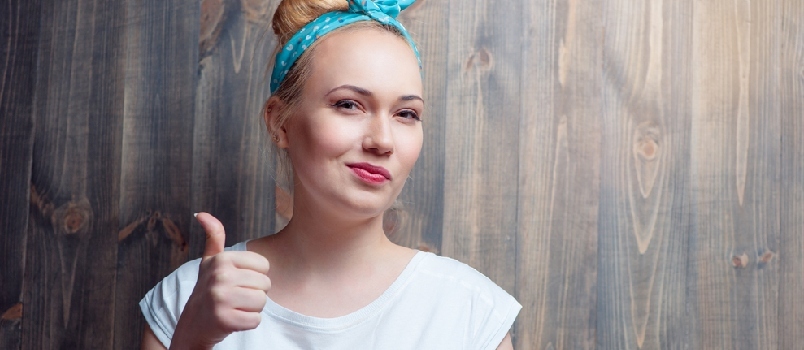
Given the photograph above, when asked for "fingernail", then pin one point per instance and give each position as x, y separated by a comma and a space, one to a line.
195, 215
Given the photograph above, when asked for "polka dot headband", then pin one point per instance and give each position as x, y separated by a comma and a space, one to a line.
383, 11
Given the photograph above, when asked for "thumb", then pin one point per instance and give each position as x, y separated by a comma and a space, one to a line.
216, 237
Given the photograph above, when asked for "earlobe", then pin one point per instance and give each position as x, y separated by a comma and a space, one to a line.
271, 115
281, 138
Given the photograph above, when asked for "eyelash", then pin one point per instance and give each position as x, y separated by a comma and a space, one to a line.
343, 103
351, 105
413, 114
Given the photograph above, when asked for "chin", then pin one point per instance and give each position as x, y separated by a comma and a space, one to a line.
367, 206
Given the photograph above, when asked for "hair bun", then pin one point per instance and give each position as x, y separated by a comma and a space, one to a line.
292, 15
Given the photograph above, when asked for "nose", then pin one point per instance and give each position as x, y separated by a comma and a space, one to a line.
379, 138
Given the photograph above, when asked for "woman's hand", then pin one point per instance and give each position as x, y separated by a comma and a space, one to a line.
229, 296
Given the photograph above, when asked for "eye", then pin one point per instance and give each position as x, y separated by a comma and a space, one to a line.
346, 104
409, 114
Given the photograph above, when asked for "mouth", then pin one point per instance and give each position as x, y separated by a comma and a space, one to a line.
370, 173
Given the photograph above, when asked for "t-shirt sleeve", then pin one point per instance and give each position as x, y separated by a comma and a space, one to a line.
496, 321
491, 310
163, 304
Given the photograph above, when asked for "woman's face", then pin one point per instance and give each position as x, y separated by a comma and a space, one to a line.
356, 134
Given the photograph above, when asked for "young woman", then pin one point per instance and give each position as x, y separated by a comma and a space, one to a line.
346, 110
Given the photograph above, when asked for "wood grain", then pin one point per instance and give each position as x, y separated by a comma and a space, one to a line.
18, 50
632, 171
791, 241
160, 76
559, 171
232, 168
481, 166
735, 128
643, 222
71, 246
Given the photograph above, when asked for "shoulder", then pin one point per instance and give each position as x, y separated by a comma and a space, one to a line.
468, 297
458, 275
163, 304
450, 278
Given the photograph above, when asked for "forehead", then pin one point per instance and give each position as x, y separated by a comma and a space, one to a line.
371, 58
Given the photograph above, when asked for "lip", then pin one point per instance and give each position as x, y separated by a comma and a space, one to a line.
370, 172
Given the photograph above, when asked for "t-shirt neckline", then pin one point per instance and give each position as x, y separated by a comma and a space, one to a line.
341, 323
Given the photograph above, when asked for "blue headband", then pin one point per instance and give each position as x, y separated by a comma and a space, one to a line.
383, 11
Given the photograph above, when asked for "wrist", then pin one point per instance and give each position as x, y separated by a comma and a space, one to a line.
187, 338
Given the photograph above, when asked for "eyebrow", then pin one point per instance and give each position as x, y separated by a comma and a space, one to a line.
365, 92
356, 89
410, 98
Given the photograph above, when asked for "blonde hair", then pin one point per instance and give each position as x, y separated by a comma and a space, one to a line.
292, 15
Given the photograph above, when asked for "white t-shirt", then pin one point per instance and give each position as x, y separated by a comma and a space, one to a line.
435, 303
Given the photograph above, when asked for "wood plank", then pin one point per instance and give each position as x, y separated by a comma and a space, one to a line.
232, 169
791, 107
644, 236
559, 172
18, 50
481, 166
155, 214
71, 246
735, 170
419, 220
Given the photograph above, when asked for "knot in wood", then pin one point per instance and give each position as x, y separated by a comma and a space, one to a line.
153, 220
646, 141
481, 59
73, 217
646, 153
739, 261
74, 220
212, 17
764, 259
41, 203
13, 313
646, 148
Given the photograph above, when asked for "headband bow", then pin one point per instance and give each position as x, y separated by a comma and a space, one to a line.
379, 10
383, 11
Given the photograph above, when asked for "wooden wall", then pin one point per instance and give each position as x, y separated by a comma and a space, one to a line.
631, 170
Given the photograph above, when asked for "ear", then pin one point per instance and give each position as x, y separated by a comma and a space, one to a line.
276, 129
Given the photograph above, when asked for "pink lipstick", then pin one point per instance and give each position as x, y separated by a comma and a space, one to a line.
370, 173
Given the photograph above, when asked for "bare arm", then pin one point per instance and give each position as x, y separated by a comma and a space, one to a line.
149, 341
506, 344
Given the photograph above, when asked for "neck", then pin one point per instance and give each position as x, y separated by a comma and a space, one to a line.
322, 241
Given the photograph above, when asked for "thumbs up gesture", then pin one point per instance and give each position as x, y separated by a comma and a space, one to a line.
229, 295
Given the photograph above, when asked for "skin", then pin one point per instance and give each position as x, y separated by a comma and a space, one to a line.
333, 257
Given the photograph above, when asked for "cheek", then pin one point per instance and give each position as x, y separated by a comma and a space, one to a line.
409, 146
328, 137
